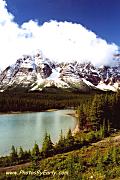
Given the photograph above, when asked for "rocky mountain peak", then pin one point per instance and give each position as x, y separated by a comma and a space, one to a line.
36, 71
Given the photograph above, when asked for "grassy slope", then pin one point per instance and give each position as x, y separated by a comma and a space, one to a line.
78, 164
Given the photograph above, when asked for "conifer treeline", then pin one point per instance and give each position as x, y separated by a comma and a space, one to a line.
64, 144
104, 110
40, 101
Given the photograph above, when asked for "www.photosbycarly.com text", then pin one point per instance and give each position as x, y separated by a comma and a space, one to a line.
37, 173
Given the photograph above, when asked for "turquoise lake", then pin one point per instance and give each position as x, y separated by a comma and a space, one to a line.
27, 128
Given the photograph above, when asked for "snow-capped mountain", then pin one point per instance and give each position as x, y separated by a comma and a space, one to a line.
37, 72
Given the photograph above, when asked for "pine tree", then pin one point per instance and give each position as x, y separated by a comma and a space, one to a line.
103, 130
47, 146
97, 112
81, 117
21, 154
116, 110
69, 140
35, 151
13, 154
27, 155
60, 146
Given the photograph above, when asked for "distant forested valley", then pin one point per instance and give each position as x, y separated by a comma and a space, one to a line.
93, 109
50, 98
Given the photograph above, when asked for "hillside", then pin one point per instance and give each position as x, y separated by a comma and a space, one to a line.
98, 161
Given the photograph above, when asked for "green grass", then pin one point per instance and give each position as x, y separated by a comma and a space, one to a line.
97, 161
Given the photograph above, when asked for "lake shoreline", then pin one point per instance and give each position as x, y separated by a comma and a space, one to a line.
23, 112
23, 123
76, 129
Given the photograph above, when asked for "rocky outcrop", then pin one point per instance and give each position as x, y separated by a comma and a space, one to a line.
37, 72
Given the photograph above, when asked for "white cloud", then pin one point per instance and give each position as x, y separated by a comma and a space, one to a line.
60, 41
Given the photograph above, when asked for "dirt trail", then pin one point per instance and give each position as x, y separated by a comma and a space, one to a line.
117, 138
14, 168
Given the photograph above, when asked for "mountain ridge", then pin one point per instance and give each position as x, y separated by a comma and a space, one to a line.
36, 72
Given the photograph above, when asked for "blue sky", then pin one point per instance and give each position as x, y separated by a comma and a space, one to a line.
100, 16
64, 30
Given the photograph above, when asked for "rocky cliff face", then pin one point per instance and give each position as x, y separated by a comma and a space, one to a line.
36, 72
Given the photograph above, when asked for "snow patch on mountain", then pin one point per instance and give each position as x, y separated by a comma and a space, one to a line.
106, 87
37, 72
54, 75
88, 83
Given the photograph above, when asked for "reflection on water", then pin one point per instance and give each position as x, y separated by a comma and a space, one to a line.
27, 128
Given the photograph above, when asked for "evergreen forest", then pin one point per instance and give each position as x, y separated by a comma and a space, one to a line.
90, 153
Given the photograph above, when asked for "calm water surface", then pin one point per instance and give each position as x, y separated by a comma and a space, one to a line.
27, 128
